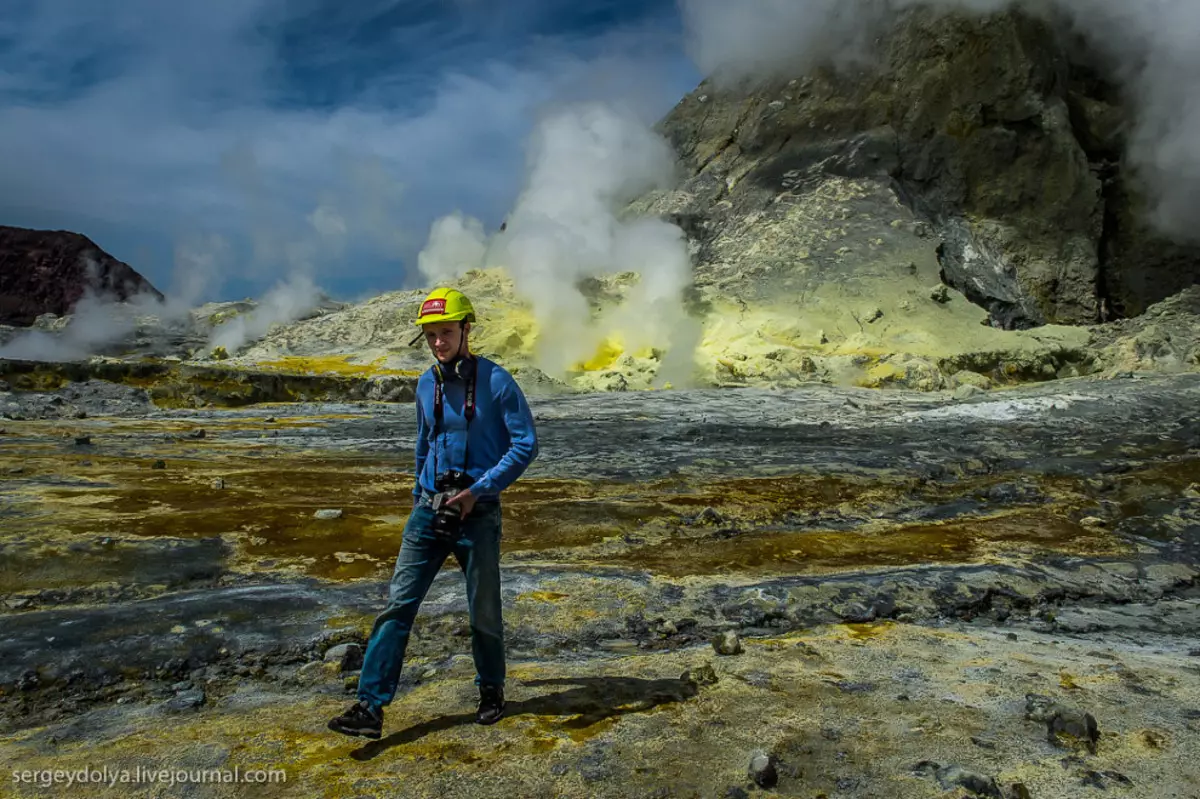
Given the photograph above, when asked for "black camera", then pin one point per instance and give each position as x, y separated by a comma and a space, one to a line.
447, 519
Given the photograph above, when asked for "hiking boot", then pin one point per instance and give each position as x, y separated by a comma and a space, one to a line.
360, 719
491, 704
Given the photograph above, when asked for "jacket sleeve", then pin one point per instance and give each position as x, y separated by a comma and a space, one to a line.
523, 445
422, 446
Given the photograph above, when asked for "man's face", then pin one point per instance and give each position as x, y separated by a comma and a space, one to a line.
444, 339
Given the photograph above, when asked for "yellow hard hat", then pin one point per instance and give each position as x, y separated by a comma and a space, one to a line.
445, 305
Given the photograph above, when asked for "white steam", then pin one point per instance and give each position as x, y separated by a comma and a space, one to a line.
1154, 46
100, 323
297, 248
586, 163
456, 243
201, 263
97, 321
286, 302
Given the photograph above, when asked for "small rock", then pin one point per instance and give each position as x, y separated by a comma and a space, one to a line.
348, 656
311, 672
1192, 491
874, 315
966, 391
218, 484
17, 470
1097, 779
187, 700
1019, 791
951, 777
709, 516
700, 675
762, 770
848, 687
939, 294
182, 685
83, 441
329, 513
28, 681
618, 645
1071, 724
736, 792
159, 465
269, 419
983, 743
197, 433
727, 643
1093, 521
967, 377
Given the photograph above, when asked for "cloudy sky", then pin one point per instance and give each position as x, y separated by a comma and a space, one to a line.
246, 139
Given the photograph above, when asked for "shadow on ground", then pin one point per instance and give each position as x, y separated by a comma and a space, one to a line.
594, 699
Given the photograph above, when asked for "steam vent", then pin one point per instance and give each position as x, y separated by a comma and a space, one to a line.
865, 381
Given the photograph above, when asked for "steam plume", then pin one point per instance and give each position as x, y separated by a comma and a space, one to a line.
286, 302
586, 162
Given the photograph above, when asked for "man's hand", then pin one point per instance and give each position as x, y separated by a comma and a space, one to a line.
464, 498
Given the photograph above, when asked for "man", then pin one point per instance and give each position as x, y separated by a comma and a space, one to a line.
475, 436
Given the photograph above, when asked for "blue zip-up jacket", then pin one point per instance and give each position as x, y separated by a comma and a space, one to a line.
503, 441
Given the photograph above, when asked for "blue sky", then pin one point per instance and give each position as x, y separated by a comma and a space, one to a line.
244, 139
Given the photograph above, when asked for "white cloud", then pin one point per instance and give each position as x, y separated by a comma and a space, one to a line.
176, 121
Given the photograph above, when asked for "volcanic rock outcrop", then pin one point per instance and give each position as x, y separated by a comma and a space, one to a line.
1000, 132
49, 271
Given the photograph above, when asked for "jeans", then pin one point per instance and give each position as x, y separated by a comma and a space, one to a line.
477, 550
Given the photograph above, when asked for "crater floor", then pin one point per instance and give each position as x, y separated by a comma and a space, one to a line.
903, 570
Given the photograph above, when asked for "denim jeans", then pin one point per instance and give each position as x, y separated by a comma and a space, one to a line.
422, 554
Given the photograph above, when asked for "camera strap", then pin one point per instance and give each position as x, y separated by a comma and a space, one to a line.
439, 411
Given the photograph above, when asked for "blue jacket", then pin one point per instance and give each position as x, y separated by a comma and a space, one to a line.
503, 441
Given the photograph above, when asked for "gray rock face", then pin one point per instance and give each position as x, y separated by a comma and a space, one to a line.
76, 401
762, 770
349, 657
952, 777
727, 643
983, 131
185, 700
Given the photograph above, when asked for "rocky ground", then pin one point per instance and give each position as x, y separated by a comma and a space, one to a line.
986, 596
